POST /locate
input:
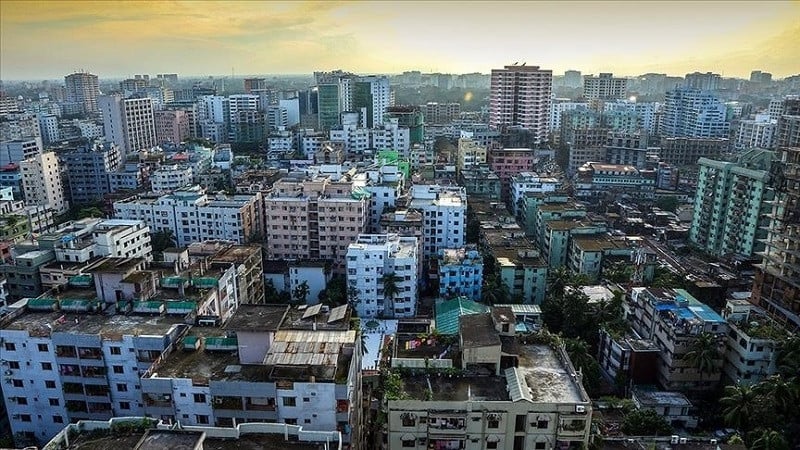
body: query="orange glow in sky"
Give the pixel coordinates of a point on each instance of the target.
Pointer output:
(47, 39)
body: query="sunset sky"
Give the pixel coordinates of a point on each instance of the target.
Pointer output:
(48, 39)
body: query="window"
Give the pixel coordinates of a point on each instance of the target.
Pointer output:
(116, 350)
(493, 423)
(201, 419)
(118, 369)
(541, 424)
(10, 347)
(200, 398)
(306, 420)
(409, 443)
(491, 445)
(124, 405)
(540, 445)
(13, 364)
(25, 417)
(519, 424)
(290, 421)
(290, 401)
(306, 399)
(53, 402)
(47, 366)
(50, 384)
(58, 419)
(22, 400)
(16, 383)
(122, 387)
(42, 347)
(408, 421)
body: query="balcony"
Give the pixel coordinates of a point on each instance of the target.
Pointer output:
(158, 400)
(232, 403)
(260, 404)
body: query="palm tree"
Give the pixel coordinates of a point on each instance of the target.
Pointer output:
(390, 290)
(300, 292)
(495, 291)
(778, 392)
(739, 404)
(558, 280)
(163, 239)
(703, 354)
(769, 440)
(788, 360)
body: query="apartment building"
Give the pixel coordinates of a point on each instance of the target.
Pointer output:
(604, 87)
(18, 150)
(314, 218)
(559, 106)
(193, 215)
(520, 96)
(690, 112)
(686, 151)
(480, 182)
(470, 153)
(752, 342)
(129, 122)
(508, 162)
(598, 179)
(377, 261)
(444, 209)
(441, 113)
(171, 177)
(82, 90)
(460, 272)
(519, 263)
(41, 182)
(528, 396)
(89, 169)
(628, 148)
(758, 132)
(23, 272)
(385, 184)
(525, 183)
(673, 319)
(732, 203)
(172, 126)
(704, 81)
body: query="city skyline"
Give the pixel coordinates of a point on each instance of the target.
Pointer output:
(47, 40)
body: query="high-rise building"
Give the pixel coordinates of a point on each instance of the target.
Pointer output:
(410, 117)
(573, 79)
(604, 87)
(521, 97)
(777, 281)
(41, 182)
(246, 121)
(690, 112)
(758, 76)
(441, 113)
(444, 209)
(128, 122)
(704, 81)
(82, 90)
(88, 168)
(254, 84)
(48, 125)
(383, 268)
(172, 125)
(756, 133)
(370, 98)
(732, 203)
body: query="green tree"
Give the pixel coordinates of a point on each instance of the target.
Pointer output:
(390, 291)
(300, 293)
(91, 211)
(558, 280)
(494, 291)
(669, 203)
(645, 423)
(766, 439)
(162, 240)
(788, 357)
(703, 354)
(578, 351)
(739, 405)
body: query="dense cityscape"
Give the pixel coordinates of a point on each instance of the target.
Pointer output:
(522, 259)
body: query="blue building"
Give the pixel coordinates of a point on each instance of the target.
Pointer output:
(690, 112)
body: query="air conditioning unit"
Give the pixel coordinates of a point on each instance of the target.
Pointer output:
(684, 440)
(218, 401)
(674, 439)
(9, 372)
(713, 442)
(580, 409)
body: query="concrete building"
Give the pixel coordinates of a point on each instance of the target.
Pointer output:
(48, 124)
(23, 273)
(674, 407)
(441, 113)
(469, 153)
(128, 122)
(509, 396)
(41, 182)
(82, 91)
(694, 113)
(686, 151)
(88, 169)
(480, 182)
(172, 126)
(524, 183)
(673, 319)
(628, 358)
(598, 179)
(445, 215)
(732, 204)
(460, 273)
(647, 113)
(370, 98)
(193, 215)
(753, 342)
(314, 218)
(520, 96)
(628, 148)
(519, 263)
(703, 81)
(171, 177)
(756, 133)
(377, 261)
(16, 151)
(559, 106)
(604, 87)
(508, 162)
(246, 121)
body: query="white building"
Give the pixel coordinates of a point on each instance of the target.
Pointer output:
(559, 106)
(85, 239)
(604, 87)
(212, 117)
(391, 136)
(90, 130)
(277, 117)
(193, 216)
(13, 152)
(385, 184)
(756, 133)
(48, 125)
(444, 209)
(752, 343)
(530, 182)
(371, 262)
(292, 106)
(170, 177)
(381, 99)
(128, 122)
(646, 112)
(41, 182)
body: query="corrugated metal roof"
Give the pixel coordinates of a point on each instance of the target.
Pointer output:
(517, 386)
(523, 308)
(449, 311)
(343, 337)
(337, 313)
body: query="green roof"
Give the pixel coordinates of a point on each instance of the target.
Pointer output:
(449, 311)
(204, 282)
(41, 303)
(180, 306)
(172, 281)
(220, 341)
(81, 280)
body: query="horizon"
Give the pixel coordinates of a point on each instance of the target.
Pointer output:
(47, 40)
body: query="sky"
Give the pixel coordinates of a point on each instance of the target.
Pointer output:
(49, 39)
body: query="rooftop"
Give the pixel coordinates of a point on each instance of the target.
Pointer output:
(653, 398)
(547, 376)
(258, 318)
(463, 389)
(82, 323)
(477, 330)
(448, 313)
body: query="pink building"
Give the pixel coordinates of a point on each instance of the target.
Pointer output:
(172, 126)
(508, 162)
(521, 97)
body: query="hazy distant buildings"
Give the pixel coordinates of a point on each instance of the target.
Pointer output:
(758, 76)
(82, 90)
(441, 113)
(172, 126)
(758, 132)
(604, 87)
(521, 97)
(704, 81)
(573, 79)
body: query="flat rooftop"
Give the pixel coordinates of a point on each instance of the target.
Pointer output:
(174, 440)
(258, 317)
(93, 441)
(650, 398)
(83, 323)
(446, 389)
(547, 377)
